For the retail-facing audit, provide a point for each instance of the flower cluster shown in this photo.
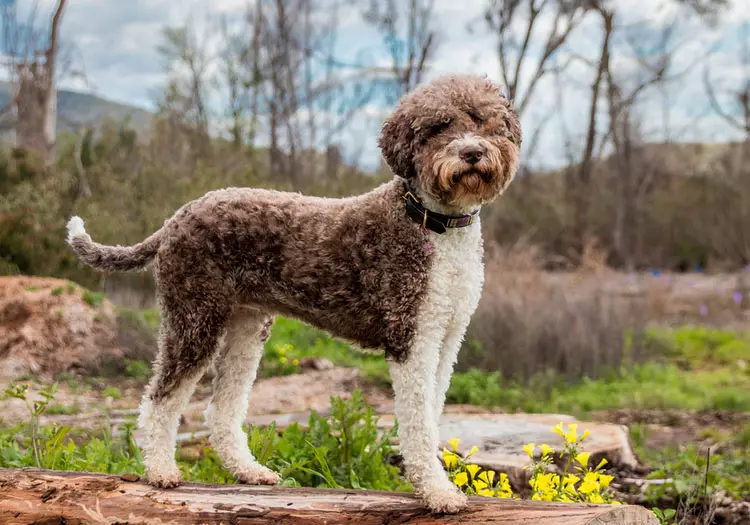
(279, 360)
(578, 482)
(470, 478)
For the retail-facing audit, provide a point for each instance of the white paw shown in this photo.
(257, 475)
(447, 500)
(164, 478)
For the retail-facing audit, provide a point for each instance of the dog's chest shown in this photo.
(457, 269)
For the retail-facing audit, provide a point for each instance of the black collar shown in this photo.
(432, 220)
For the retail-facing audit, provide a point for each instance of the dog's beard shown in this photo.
(465, 185)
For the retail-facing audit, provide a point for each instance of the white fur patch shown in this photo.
(75, 228)
(420, 382)
(160, 422)
(236, 368)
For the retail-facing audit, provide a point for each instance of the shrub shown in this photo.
(530, 322)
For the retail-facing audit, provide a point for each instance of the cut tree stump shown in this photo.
(51, 497)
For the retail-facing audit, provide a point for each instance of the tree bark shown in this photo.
(51, 497)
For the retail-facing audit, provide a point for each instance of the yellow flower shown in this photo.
(283, 359)
(488, 476)
(454, 443)
(589, 483)
(295, 362)
(487, 493)
(586, 433)
(605, 480)
(595, 497)
(559, 429)
(601, 464)
(546, 449)
(570, 480)
(461, 479)
(544, 482)
(479, 485)
(449, 458)
(529, 449)
(282, 351)
(583, 458)
(572, 435)
(473, 469)
(473, 451)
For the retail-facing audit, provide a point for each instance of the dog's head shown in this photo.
(457, 138)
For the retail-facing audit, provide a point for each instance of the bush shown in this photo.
(530, 323)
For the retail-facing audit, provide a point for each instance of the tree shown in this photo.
(409, 37)
(514, 48)
(34, 80)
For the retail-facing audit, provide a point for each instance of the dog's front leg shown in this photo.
(448, 357)
(414, 384)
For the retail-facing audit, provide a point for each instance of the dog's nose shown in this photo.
(471, 154)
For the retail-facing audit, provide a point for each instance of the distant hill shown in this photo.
(77, 109)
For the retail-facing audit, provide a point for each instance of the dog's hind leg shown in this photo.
(414, 385)
(187, 343)
(236, 367)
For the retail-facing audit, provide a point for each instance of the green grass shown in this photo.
(113, 392)
(57, 409)
(693, 368)
(310, 342)
(686, 465)
(56, 292)
(93, 299)
(344, 449)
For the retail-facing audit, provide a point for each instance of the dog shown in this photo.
(397, 270)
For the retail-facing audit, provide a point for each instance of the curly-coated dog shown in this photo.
(398, 270)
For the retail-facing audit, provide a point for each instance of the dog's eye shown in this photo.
(435, 129)
(476, 119)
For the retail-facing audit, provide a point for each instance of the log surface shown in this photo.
(32, 496)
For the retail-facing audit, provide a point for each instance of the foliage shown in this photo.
(311, 342)
(54, 447)
(139, 370)
(691, 469)
(345, 449)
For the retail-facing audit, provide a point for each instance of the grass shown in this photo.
(686, 465)
(93, 299)
(692, 368)
(310, 342)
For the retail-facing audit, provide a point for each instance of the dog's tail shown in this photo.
(103, 257)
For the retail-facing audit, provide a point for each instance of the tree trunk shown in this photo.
(49, 497)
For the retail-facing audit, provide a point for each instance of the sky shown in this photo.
(115, 42)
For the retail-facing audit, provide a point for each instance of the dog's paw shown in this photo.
(164, 480)
(258, 475)
(448, 500)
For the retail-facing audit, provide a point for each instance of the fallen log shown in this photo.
(54, 497)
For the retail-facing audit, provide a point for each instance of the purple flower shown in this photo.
(704, 310)
(737, 298)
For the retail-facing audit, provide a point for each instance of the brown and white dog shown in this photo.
(397, 270)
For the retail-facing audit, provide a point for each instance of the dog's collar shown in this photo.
(433, 220)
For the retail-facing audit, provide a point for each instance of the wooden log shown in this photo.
(53, 497)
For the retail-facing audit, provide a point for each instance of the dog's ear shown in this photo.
(396, 141)
(514, 126)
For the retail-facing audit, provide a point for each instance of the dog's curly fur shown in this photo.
(359, 267)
